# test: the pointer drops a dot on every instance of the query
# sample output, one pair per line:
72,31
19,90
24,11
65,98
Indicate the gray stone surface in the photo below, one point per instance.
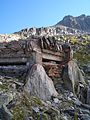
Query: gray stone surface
72,76
85,117
5,114
88,94
76,22
39,84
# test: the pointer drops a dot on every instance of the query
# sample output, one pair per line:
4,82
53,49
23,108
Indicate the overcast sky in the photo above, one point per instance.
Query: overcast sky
18,14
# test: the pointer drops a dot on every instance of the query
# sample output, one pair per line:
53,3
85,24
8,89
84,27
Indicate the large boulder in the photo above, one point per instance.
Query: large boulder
72,76
39,84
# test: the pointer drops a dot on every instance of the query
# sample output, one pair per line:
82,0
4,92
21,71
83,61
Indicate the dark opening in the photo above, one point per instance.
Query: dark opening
52,61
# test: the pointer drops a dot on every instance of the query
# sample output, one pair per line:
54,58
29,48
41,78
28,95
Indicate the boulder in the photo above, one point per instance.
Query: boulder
39,84
5,98
5,114
85,117
88,94
72,76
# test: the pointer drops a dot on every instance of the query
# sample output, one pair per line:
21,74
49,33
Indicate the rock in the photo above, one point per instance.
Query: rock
53,113
88,95
85,117
29,118
69,98
85,111
71,95
72,76
81,22
64,118
13,71
5,114
0,83
5,98
85,106
39,84
82,93
56,100
35,109
48,102
86,68
77,102
70,112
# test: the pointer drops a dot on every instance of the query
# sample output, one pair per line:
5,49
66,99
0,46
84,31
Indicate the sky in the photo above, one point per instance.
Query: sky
19,14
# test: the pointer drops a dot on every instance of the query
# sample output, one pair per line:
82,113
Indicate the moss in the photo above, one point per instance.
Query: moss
65,105
54,114
24,107
21,110
36,101
30,100
76,116
42,116
4,87
18,113
82,55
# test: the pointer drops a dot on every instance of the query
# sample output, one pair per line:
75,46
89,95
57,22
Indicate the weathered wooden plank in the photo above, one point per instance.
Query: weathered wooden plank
51,57
52,52
49,64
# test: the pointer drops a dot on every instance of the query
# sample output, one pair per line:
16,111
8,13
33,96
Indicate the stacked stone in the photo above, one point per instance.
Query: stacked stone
10,48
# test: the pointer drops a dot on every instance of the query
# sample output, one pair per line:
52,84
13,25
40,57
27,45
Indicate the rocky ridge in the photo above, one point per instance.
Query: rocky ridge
68,26
49,31
81,22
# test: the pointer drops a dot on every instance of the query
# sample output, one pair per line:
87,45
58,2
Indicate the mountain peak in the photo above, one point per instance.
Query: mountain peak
81,22
83,15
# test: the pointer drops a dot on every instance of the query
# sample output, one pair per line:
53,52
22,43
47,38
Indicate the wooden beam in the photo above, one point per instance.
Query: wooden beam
51,57
12,60
49,64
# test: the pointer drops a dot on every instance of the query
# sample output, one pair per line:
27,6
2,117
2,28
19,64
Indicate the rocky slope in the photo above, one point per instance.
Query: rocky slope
49,31
68,26
33,95
17,104
81,22
29,94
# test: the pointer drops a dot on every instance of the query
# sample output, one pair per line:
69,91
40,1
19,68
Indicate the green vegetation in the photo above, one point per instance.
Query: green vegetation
4,87
81,45
25,106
